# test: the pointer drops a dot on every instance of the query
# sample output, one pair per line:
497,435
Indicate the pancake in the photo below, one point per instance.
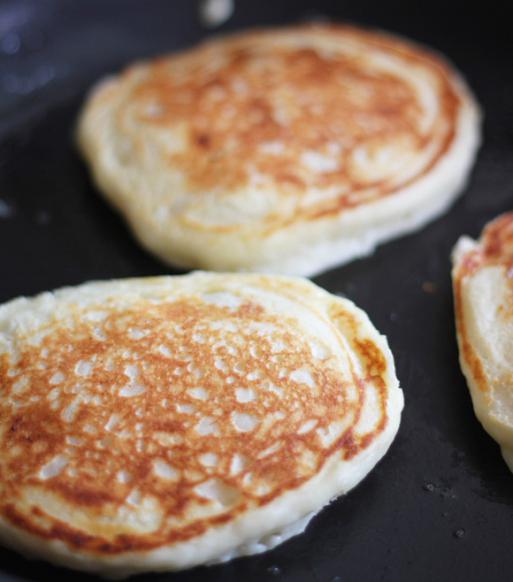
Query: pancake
483,293
161,423
289,150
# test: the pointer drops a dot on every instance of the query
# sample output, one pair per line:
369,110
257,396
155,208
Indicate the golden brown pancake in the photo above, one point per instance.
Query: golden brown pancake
157,424
483,293
286,150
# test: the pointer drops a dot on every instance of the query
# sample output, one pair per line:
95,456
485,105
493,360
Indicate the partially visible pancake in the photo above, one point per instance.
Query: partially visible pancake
289,150
157,424
483,293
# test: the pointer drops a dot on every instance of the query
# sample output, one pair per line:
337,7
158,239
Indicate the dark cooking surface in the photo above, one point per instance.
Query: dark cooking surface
440,505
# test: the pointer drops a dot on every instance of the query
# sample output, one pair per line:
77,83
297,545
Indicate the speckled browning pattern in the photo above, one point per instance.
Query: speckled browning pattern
152,423
294,116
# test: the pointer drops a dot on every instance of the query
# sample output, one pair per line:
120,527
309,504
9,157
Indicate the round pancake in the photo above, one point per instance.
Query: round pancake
157,424
288,150
483,292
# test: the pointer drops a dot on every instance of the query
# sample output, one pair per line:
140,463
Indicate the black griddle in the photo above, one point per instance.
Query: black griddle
440,504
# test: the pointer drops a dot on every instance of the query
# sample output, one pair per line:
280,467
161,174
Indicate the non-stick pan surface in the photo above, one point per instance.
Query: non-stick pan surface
440,505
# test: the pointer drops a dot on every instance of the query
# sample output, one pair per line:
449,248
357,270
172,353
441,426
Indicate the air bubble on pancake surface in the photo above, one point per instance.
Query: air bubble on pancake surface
185,408
252,376
231,350
134,498
54,394
57,378
209,459
328,435
133,388
219,345
302,376
244,395
164,470
112,422
69,413
319,351
198,393
307,426
262,488
123,476
195,371
74,441
164,350
206,426
270,450
244,422
275,389
53,467
238,464
20,385
83,368
137,334
221,365
218,490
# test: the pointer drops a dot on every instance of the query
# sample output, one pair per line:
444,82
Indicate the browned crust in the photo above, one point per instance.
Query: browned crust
332,100
495,248
37,432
